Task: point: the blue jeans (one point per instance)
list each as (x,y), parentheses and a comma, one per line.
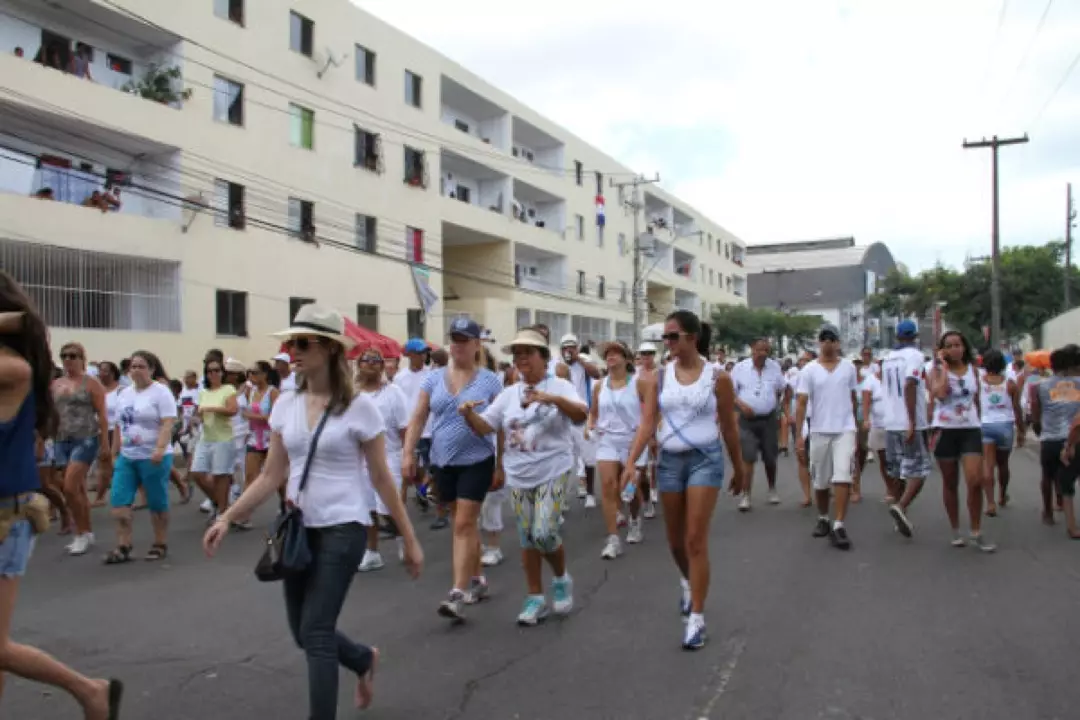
(66,452)
(313,602)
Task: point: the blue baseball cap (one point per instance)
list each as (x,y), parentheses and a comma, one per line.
(907,329)
(416,345)
(466,328)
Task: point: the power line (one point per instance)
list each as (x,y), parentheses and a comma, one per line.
(1057,89)
(1027,50)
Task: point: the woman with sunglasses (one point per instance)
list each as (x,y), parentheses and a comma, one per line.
(334,437)
(262,396)
(215,454)
(682,406)
(957,434)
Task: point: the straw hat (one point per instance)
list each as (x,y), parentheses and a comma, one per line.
(313,319)
(526,337)
(232,365)
(619,347)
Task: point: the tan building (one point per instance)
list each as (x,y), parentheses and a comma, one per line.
(240,158)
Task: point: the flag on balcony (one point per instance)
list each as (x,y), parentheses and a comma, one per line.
(600,219)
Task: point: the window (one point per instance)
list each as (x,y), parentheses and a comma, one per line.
(367,316)
(712,277)
(414,89)
(727,254)
(710,242)
(365,65)
(228,101)
(229,204)
(415,167)
(599,183)
(302,219)
(720,280)
(702,272)
(579,221)
(580,282)
(461,125)
(523,317)
(367,149)
(118,64)
(622,292)
(414,323)
(232,313)
(367,233)
(600,287)
(463,193)
(295,303)
(230,10)
(301,127)
(301,34)
(414,245)
(622,244)
(578,171)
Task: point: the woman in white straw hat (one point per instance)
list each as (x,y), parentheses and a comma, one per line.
(328,431)
(537,415)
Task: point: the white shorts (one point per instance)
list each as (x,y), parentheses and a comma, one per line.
(491,512)
(375,500)
(831,458)
(875,441)
(616,448)
(584,450)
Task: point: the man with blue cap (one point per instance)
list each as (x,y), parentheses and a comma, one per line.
(409,379)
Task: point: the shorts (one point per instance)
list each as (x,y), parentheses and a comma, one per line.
(584,450)
(1063,476)
(1001,435)
(376,499)
(699,467)
(616,448)
(759,437)
(464,482)
(832,457)
(129,475)
(423,452)
(491,513)
(66,452)
(954,443)
(16,549)
(48,459)
(876,440)
(539,513)
(216,458)
(904,460)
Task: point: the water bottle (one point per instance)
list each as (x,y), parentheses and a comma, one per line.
(629,492)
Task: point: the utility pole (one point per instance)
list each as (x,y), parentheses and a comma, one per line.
(1070,218)
(636,205)
(995,251)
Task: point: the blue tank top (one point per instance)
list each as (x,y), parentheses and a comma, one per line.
(19,473)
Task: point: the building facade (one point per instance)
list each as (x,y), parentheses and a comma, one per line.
(212,166)
(831,278)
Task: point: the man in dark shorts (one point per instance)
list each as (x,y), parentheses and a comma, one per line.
(759,389)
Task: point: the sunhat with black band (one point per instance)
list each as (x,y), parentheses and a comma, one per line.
(526,337)
(313,319)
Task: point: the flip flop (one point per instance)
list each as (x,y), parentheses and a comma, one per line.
(116,694)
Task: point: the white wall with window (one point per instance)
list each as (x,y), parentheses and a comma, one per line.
(591,330)
(557,323)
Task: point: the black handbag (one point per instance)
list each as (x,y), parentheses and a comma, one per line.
(287,552)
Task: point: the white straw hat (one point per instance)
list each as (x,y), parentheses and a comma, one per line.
(526,337)
(313,319)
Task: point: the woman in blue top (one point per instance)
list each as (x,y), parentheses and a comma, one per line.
(26,409)
(462,462)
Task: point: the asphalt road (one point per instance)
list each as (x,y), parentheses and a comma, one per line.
(799,631)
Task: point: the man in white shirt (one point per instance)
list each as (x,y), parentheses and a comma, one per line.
(828,386)
(409,379)
(759,391)
(283,365)
(582,372)
(903,381)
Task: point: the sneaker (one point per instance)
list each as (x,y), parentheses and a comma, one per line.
(654,496)
(821,528)
(612,548)
(440,523)
(694,635)
(562,594)
(650,510)
(451,607)
(903,525)
(206,506)
(620,519)
(81,544)
(75,540)
(590,502)
(957,540)
(839,538)
(977,540)
(533,611)
(478,590)
(684,598)
(744,502)
(774,497)
(234,493)
(372,561)
(635,534)
(491,557)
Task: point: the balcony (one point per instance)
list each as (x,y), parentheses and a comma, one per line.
(539,270)
(472,183)
(659,217)
(685,300)
(684,265)
(474,115)
(536,147)
(738,254)
(738,287)
(538,208)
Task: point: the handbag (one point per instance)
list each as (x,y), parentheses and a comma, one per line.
(287,553)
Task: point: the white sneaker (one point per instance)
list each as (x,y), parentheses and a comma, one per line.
(562,594)
(491,557)
(774,497)
(372,561)
(650,510)
(744,502)
(590,502)
(612,548)
(635,534)
(206,506)
(620,519)
(654,496)
(81,544)
(234,493)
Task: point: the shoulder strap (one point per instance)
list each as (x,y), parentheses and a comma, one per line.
(311,448)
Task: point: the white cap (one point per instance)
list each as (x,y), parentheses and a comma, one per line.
(283,357)
(647,347)
(569,339)
(487,336)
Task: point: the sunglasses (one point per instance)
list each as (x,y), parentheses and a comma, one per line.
(371,360)
(828,337)
(302,344)
(672,336)
(70,356)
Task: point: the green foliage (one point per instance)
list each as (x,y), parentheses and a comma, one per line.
(1032,292)
(157,84)
(736,326)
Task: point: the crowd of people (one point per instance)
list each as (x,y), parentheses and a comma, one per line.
(454,431)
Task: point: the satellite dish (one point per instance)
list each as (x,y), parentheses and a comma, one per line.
(331,61)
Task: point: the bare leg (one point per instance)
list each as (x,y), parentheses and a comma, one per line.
(989,464)
(466,516)
(700,502)
(973,479)
(609,496)
(675,524)
(75,494)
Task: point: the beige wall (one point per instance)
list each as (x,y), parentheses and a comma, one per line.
(1062,330)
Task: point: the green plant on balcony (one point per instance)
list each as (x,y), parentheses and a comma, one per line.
(158,84)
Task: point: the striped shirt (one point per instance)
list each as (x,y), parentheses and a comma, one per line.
(452,441)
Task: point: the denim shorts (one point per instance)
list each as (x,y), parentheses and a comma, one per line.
(16,549)
(1002,435)
(700,467)
(129,475)
(83,451)
(216,458)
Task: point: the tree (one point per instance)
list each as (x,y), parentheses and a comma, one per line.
(736,326)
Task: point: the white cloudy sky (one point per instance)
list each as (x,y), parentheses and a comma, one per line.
(796,119)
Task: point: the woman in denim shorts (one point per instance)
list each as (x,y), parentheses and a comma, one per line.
(215,454)
(681,408)
(1002,425)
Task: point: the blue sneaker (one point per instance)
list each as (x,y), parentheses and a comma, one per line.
(533,611)
(562,594)
(694,639)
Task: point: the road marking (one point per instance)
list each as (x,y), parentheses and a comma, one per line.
(723,677)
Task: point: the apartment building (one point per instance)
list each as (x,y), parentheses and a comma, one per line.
(178,176)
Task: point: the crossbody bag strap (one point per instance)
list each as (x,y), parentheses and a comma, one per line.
(311,450)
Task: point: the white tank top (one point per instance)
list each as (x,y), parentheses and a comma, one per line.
(688,412)
(958,409)
(996,403)
(619,411)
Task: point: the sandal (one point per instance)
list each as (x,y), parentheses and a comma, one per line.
(158,551)
(118,556)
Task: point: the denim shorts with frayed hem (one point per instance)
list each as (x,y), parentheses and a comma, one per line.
(16,550)
(698,467)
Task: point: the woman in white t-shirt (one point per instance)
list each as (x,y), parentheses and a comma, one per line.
(331,435)
(537,415)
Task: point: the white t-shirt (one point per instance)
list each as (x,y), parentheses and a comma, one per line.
(539,441)
(902,366)
(390,400)
(338,489)
(189,400)
(139,414)
(872,384)
(288,383)
(410,382)
(829,394)
(758,390)
(110,405)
